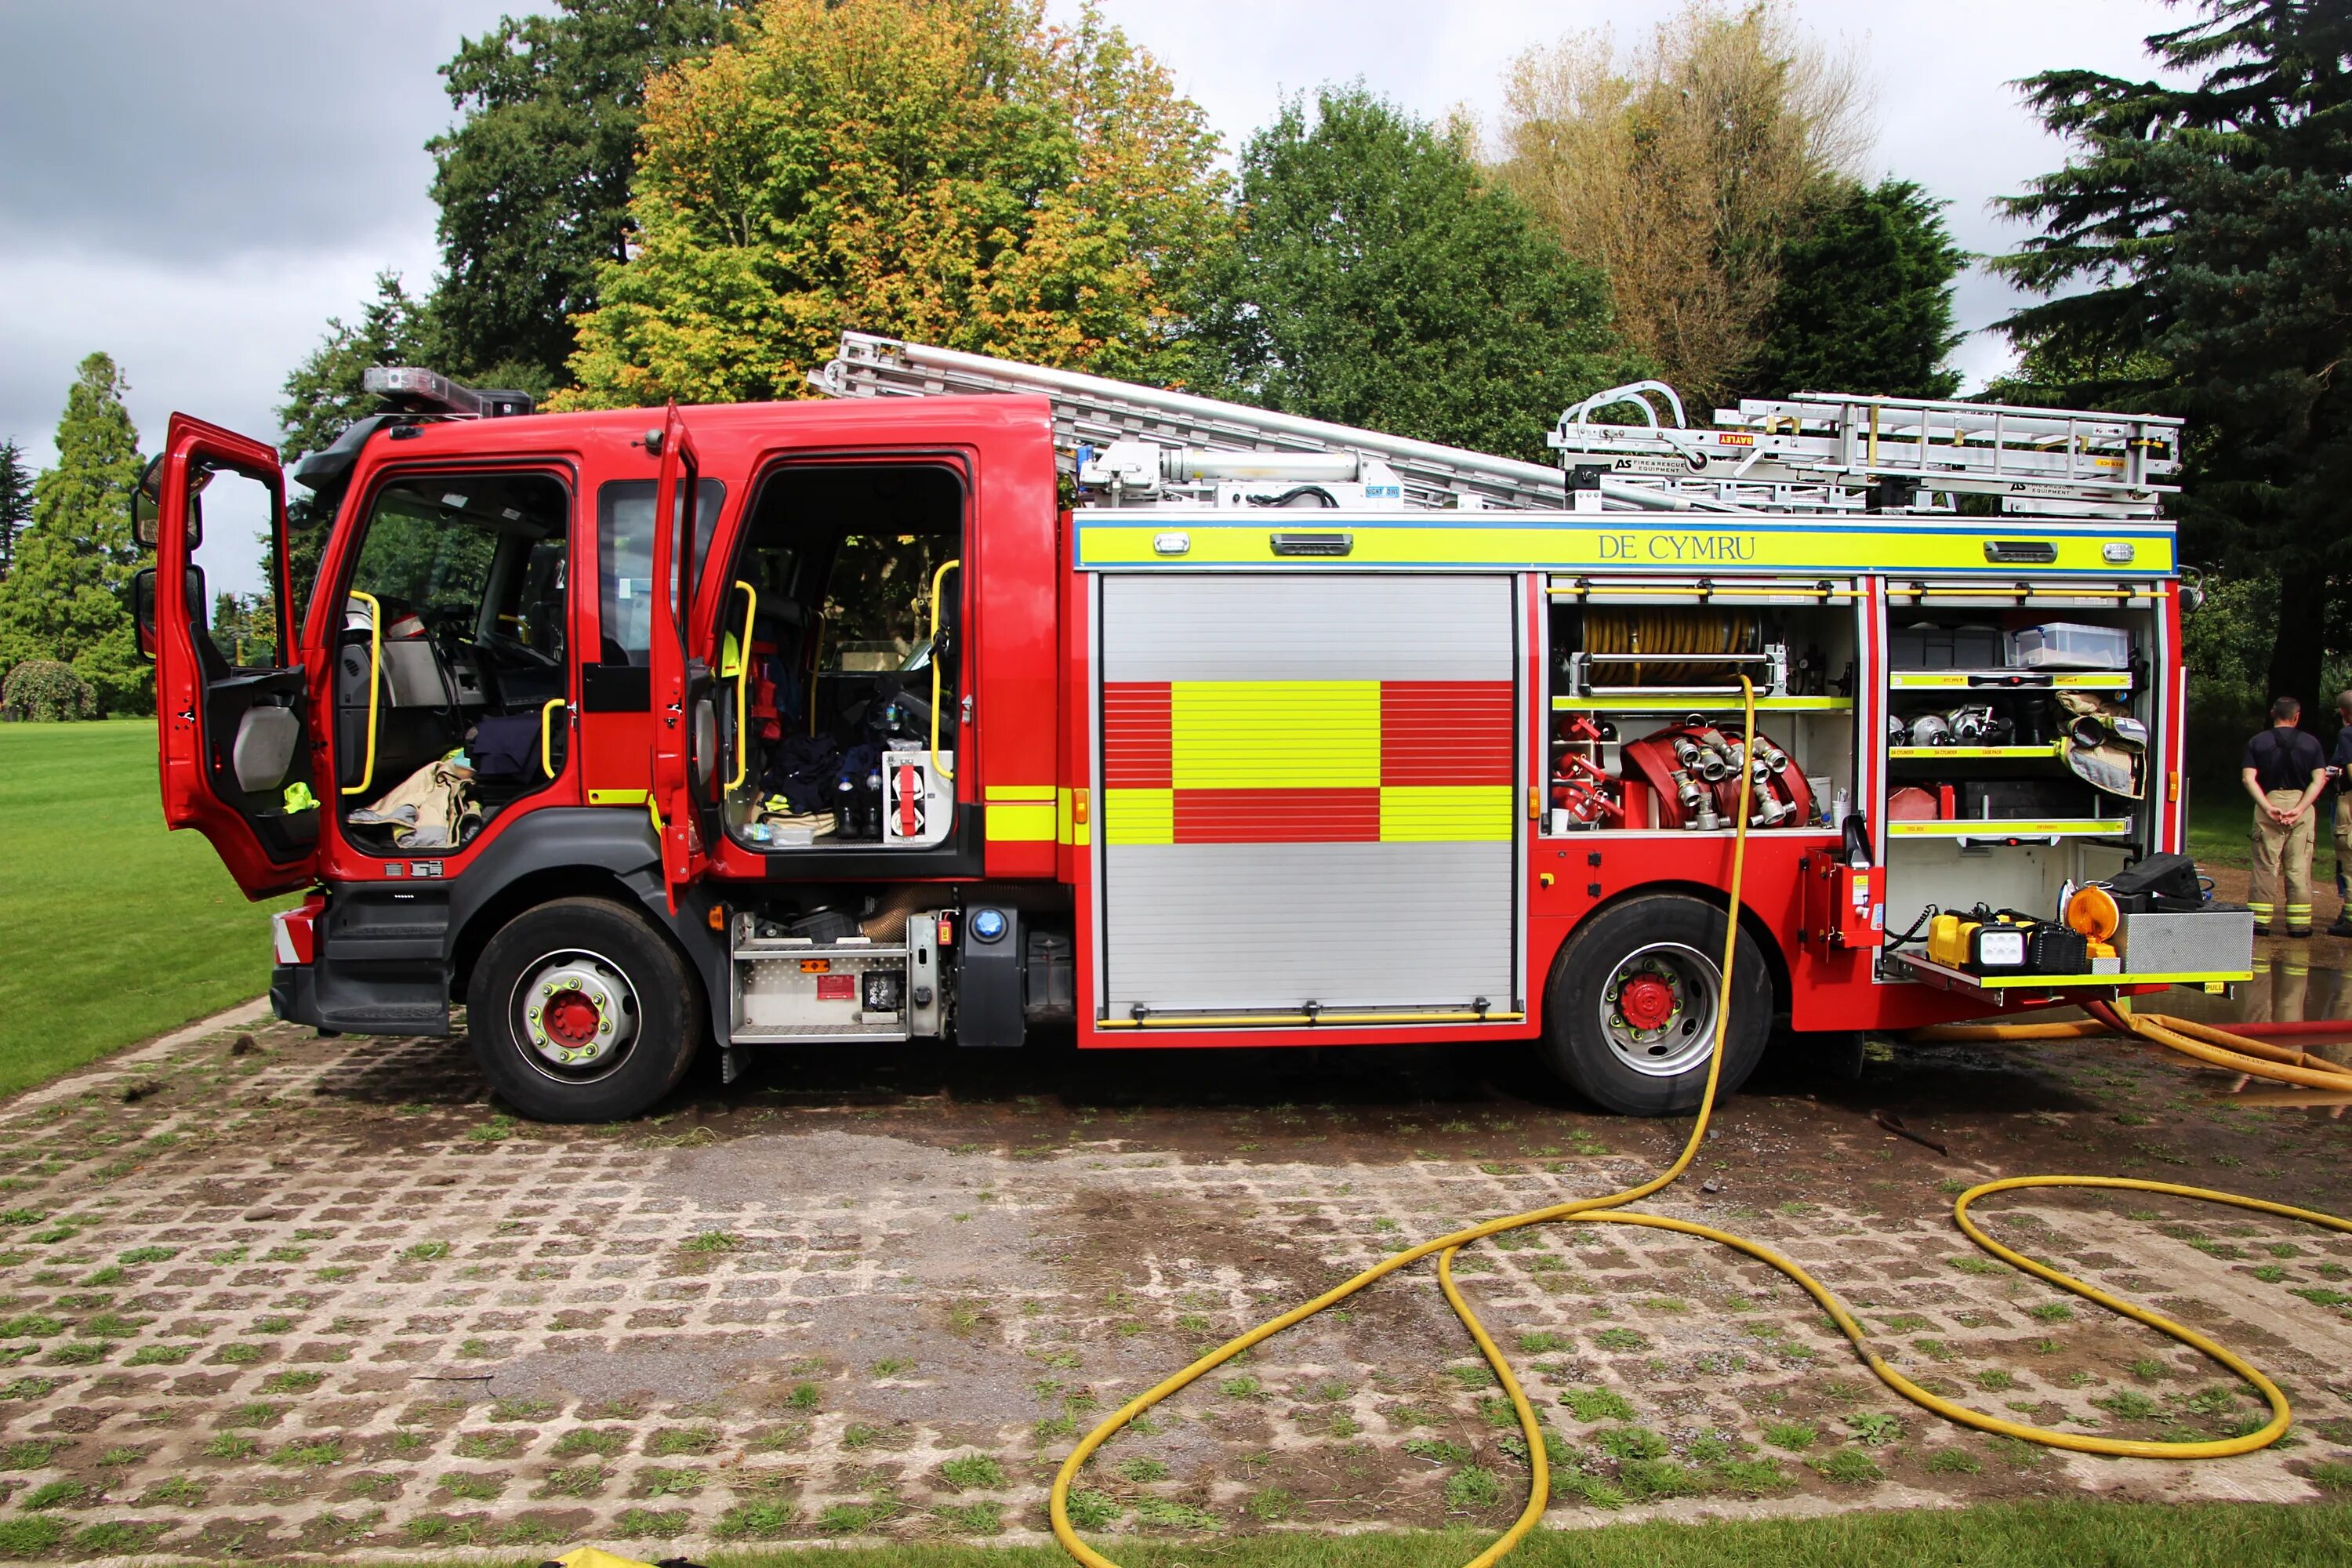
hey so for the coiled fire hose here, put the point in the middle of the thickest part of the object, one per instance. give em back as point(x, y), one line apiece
point(2245, 1055)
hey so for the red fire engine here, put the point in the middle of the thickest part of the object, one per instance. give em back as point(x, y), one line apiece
point(983, 696)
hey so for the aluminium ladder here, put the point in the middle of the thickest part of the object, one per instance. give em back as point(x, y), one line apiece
point(1818, 453)
point(1092, 411)
point(1890, 452)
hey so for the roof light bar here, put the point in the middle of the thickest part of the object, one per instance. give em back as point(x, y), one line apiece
point(414, 391)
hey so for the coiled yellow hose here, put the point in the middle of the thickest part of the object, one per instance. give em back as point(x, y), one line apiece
point(1668, 632)
point(1609, 1209)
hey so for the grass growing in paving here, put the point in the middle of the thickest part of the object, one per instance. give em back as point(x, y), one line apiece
point(112, 929)
point(2031, 1535)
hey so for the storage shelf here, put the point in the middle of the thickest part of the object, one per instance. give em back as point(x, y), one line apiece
point(2042, 828)
point(1953, 979)
point(2009, 680)
point(1976, 753)
point(1699, 703)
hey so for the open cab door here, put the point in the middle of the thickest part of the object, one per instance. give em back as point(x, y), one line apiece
point(234, 725)
point(686, 720)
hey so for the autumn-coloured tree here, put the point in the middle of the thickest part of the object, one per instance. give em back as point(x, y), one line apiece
point(1682, 172)
point(954, 171)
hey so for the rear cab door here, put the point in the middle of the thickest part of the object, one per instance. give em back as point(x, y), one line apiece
point(235, 731)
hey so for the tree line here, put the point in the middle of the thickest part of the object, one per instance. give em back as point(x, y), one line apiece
point(641, 200)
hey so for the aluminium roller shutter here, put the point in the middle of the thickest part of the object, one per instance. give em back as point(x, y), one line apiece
point(1309, 792)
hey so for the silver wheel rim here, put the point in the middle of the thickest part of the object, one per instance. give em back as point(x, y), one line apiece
point(575, 1015)
point(1693, 987)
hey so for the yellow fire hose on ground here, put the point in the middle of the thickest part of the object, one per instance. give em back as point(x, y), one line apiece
point(2243, 1055)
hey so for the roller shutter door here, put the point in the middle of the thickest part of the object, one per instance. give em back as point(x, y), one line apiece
point(1309, 793)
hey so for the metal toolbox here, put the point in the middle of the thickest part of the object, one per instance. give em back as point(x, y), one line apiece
point(792, 989)
point(2205, 941)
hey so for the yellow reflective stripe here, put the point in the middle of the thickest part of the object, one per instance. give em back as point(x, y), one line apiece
point(2084, 680)
point(1138, 817)
point(2073, 981)
point(616, 797)
point(1996, 827)
point(1275, 735)
point(1022, 823)
point(1070, 824)
point(1446, 814)
point(999, 795)
point(1638, 544)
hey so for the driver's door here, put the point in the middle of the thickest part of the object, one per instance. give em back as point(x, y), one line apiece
point(234, 727)
point(686, 728)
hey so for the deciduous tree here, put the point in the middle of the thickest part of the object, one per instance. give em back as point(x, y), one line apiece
point(2196, 251)
point(533, 184)
point(67, 596)
point(324, 396)
point(955, 170)
point(1377, 281)
point(1683, 172)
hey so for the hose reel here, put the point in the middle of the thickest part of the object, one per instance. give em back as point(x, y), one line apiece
point(1680, 649)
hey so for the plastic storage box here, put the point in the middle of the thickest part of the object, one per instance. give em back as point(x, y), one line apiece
point(1925, 647)
point(2070, 645)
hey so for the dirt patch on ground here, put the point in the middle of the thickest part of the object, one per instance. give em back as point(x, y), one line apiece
point(316, 1297)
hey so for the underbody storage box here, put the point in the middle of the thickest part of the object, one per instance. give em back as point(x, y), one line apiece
point(2205, 941)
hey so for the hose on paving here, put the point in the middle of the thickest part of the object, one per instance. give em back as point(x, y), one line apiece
point(2248, 1056)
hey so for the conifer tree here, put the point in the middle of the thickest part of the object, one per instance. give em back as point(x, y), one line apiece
point(2193, 255)
point(15, 502)
point(68, 595)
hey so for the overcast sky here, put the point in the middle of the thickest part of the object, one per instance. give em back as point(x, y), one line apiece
point(196, 188)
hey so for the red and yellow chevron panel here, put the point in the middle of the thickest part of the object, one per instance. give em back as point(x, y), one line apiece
point(1306, 761)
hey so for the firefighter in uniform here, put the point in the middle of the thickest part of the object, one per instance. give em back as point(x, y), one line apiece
point(2283, 771)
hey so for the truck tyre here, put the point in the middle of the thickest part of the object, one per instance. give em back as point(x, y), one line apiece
point(1630, 1017)
point(581, 1011)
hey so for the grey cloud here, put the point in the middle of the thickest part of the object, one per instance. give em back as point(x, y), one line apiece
point(175, 130)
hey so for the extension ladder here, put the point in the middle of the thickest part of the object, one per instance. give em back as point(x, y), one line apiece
point(1820, 453)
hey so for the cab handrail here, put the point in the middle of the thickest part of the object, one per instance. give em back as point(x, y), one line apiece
point(937, 578)
point(375, 685)
point(743, 686)
point(546, 734)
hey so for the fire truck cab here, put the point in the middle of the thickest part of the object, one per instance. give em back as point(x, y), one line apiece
point(981, 698)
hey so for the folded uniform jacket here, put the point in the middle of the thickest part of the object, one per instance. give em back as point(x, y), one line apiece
point(432, 808)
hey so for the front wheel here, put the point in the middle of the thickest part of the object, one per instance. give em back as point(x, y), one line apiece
point(581, 1011)
point(1630, 1019)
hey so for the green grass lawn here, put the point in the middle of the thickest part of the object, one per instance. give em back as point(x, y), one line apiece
point(2220, 824)
point(2064, 1535)
point(2070, 1534)
point(112, 929)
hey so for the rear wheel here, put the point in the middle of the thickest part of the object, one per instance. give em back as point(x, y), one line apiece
point(581, 1011)
point(1630, 1019)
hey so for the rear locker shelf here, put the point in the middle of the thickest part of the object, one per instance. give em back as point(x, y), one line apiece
point(1998, 988)
point(1998, 830)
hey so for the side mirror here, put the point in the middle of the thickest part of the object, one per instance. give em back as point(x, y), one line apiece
point(143, 607)
point(143, 603)
point(147, 504)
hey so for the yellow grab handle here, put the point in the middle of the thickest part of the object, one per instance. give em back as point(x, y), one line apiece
point(375, 684)
point(546, 735)
point(743, 686)
point(937, 578)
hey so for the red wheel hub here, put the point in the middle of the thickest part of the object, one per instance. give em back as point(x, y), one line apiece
point(569, 1017)
point(1646, 1002)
